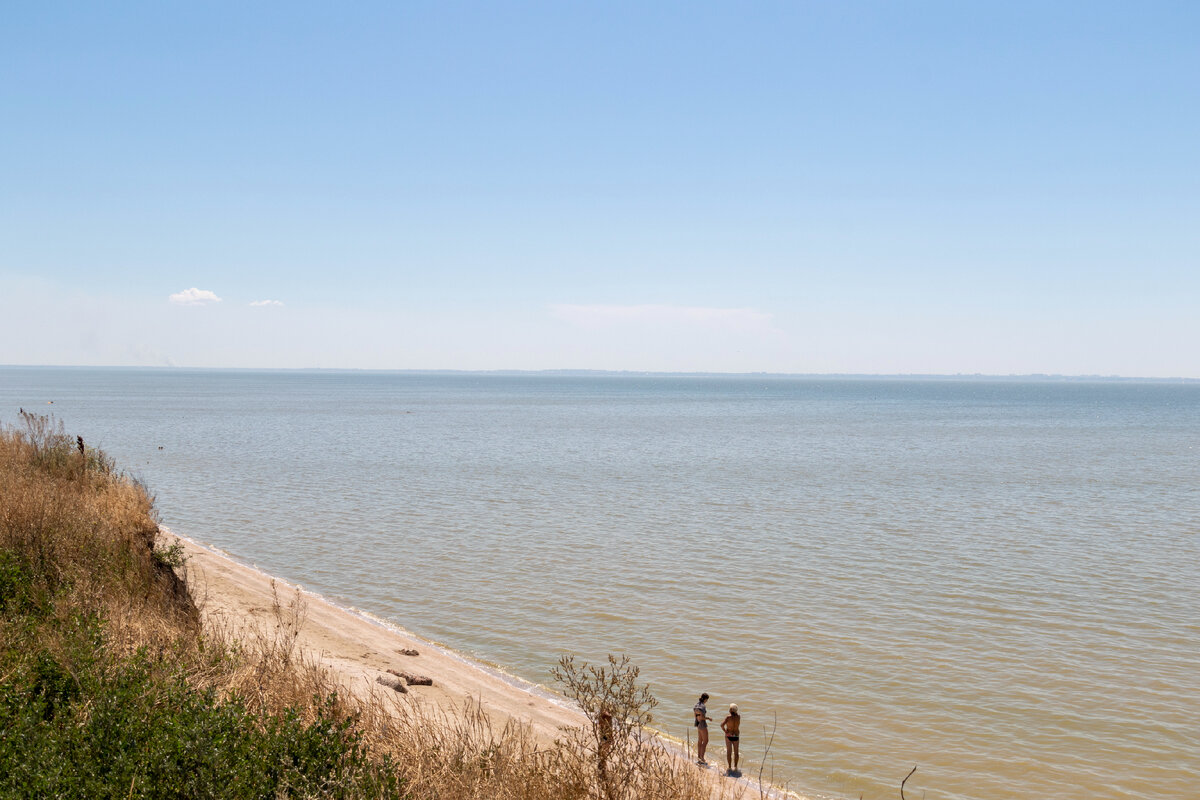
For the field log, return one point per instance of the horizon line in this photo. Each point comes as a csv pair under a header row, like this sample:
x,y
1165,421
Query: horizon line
x,y
584,372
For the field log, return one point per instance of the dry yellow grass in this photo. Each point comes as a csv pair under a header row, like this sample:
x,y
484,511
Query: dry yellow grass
x,y
441,755
88,530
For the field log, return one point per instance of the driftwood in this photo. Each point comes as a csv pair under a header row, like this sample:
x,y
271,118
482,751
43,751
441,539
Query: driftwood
x,y
408,652
412,680
393,683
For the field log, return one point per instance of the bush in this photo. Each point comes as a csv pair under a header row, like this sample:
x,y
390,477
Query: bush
x,y
79,723
617,756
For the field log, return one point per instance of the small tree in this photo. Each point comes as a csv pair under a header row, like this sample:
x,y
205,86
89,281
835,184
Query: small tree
x,y
616,743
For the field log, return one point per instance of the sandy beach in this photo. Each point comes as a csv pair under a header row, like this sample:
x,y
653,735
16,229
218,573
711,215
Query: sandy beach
x,y
358,650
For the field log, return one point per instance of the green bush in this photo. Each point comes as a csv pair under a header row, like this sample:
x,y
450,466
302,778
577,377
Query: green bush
x,y
15,595
79,724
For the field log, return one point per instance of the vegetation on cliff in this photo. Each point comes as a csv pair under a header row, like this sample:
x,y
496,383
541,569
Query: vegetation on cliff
x,y
109,686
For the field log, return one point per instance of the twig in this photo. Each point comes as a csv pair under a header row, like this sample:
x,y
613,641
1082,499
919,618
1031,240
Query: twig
x,y
906,777
766,752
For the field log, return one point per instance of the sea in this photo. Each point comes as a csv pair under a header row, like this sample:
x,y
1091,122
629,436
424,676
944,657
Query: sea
x,y
996,581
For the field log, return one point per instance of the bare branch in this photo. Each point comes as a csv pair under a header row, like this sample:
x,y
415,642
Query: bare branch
x,y
762,792
906,777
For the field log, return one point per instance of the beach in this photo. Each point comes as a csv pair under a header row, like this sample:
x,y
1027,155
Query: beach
x,y
357,650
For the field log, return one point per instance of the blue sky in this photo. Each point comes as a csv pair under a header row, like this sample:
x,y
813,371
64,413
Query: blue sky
x,y
871,187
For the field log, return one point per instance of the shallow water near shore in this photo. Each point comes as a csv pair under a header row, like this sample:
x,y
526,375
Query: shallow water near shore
x,y
996,580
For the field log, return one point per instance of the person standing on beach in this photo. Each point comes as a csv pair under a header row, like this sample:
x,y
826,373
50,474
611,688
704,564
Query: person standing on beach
x,y
732,725
702,719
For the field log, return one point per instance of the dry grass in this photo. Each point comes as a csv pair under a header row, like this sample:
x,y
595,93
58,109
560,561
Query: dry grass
x,y
440,755
86,531
460,756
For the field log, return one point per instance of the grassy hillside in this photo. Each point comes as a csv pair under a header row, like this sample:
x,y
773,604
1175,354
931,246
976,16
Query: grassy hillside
x,y
108,685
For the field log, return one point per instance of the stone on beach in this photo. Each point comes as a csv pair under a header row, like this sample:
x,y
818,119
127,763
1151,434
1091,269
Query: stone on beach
x,y
393,683
412,680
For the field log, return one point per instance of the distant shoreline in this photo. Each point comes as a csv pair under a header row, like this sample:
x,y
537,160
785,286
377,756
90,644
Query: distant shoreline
x,y
603,373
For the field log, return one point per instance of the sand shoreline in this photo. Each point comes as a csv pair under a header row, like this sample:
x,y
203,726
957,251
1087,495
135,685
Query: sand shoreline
x,y
358,647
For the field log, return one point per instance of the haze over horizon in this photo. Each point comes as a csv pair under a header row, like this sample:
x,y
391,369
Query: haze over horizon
x,y
798,188
568,372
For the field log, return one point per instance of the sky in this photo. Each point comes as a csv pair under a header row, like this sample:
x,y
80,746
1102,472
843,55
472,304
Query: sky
x,y
794,187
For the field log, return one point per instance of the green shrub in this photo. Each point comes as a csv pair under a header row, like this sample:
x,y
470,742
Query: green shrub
x,y
15,594
80,724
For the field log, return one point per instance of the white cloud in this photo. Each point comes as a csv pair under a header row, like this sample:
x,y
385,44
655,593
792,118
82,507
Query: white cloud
x,y
603,316
193,297
262,303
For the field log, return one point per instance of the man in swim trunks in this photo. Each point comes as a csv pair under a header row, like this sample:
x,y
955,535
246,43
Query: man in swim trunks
x,y
732,725
702,720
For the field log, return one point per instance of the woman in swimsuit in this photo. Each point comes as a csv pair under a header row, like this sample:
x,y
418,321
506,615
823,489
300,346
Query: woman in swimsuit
x,y
702,720
732,725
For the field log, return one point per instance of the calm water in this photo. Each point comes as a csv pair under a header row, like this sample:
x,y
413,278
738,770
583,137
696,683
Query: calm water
x,y
998,581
